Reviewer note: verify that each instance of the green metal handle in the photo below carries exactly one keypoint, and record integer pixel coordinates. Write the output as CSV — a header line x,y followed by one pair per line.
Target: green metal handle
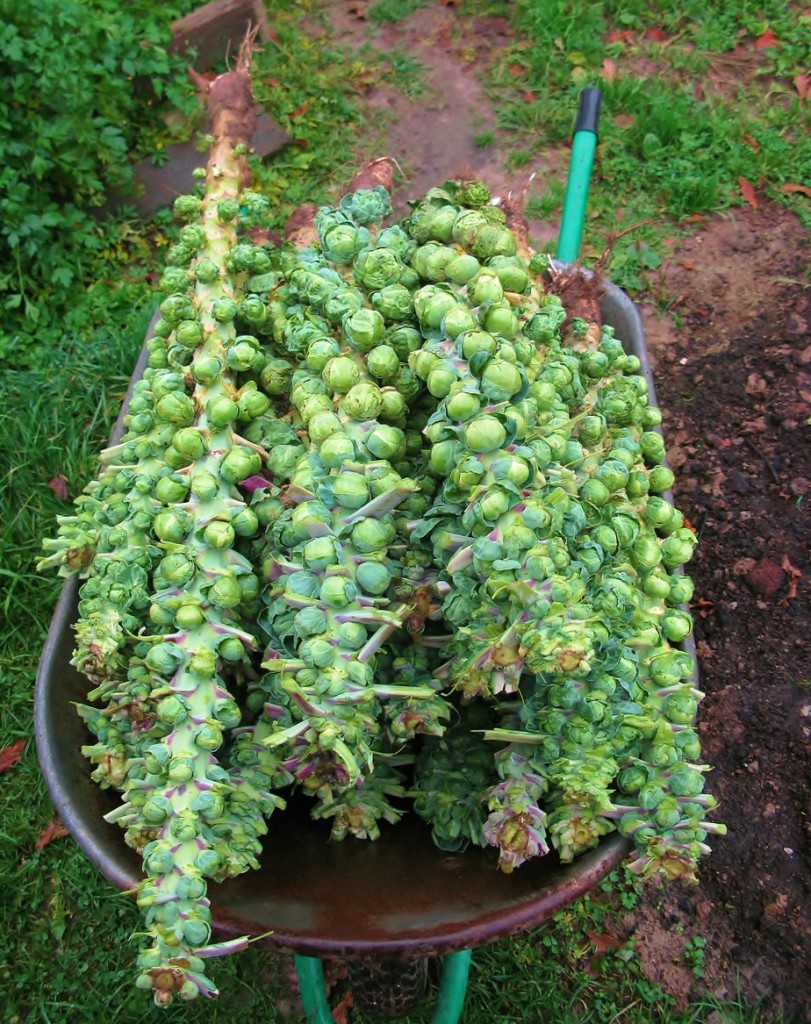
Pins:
x,y
584,144
450,1000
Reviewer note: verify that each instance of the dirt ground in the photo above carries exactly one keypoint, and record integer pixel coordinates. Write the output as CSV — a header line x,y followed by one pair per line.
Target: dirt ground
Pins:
x,y
733,375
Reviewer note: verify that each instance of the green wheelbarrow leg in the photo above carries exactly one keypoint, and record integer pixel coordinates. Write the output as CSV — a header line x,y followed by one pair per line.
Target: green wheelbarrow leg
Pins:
x,y
310,973
452,987
450,1001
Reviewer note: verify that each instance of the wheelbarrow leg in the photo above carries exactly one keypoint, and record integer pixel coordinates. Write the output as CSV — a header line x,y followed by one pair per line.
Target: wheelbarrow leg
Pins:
x,y
450,1000
452,987
310,973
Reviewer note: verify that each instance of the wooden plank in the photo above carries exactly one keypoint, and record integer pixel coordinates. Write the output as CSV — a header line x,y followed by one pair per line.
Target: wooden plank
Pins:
x,y
215,30
160,186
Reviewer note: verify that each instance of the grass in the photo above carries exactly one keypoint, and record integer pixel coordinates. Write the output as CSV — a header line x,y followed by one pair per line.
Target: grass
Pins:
x,y
696,98
65,933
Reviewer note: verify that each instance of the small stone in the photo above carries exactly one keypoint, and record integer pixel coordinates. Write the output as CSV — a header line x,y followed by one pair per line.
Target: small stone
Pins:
x,y
766,577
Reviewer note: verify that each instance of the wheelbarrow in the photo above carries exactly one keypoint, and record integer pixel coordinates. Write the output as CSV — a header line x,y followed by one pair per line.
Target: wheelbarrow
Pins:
x,y
398,899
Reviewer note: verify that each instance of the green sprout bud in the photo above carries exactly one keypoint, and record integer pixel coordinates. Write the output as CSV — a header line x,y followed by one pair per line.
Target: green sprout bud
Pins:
x,y
227,210
206,271
340,374
474,342
189,334
205,485
386,442
206,369
225,592
320,352
221,411
219,535
364,329
239,463
337,591
393,302
373,577
350,490
172,525
370,536
319,553
224,310
176,569
458,320
172,489
499,318
462,268
484,434
681,589
462,405
362,402
310,622
440,381
189,616
501,380
661,479
164,658
189,443
323,425
177,409
677,625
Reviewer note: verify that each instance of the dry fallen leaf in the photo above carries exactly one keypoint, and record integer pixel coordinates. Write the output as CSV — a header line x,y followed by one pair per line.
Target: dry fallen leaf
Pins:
x,y
53,830
748,192
620,35
59,485
767,39
608,71
339,1012
788,188
802,83
11,754
603,943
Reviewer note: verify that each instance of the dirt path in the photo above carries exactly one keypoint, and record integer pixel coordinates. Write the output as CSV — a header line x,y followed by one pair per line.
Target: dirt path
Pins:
x,y
734,382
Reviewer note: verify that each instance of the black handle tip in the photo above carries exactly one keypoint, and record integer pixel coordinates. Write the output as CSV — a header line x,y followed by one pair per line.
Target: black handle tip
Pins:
x,y
588,110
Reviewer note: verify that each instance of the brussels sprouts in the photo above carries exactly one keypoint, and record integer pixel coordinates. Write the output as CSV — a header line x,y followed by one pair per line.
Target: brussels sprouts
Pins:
x,y
362,402
485,287
393,302
341,374
221,411
485,433
431,304
376,267
386,442
383,362
239,463
499,318
350,490
461,268
367,205
500,380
